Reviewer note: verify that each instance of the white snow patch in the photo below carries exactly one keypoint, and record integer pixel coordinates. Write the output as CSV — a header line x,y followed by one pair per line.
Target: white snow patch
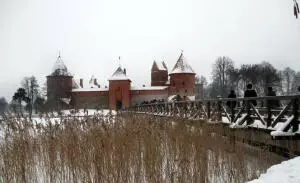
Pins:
x,y
89,89
149,88
285,172
119,74
182,66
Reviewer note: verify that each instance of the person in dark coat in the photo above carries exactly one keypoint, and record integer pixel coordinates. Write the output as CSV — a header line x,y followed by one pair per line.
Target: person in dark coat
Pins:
x,y
231,104
250,93
272,103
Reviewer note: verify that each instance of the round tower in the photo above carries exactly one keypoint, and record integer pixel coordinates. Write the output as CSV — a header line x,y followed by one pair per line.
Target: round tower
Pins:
x,y
119,90
59,84
182,79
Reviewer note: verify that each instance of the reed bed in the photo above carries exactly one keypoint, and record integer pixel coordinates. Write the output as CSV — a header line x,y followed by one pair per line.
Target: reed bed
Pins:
x,y
124,148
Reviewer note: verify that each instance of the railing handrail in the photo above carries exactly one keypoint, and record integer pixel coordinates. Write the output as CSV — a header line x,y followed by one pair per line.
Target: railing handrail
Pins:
x,y
286,97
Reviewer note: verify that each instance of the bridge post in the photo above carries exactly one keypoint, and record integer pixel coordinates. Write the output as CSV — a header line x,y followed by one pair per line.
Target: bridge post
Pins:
x,y
248,110
295,122
269,120
232,115
219,110
208,109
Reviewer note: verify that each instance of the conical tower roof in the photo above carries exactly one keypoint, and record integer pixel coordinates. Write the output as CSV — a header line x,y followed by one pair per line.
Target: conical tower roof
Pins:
x,y
182,66
60,68
119,74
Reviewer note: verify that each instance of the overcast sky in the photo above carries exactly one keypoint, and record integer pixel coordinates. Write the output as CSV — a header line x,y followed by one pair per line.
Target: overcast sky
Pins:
x,y
92,34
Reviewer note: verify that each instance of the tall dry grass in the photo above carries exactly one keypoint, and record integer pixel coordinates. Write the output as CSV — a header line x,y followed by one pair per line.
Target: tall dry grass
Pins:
x,y
124,148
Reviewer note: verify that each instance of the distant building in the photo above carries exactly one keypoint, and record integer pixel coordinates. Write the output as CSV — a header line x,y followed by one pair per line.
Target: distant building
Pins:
x,y
64,90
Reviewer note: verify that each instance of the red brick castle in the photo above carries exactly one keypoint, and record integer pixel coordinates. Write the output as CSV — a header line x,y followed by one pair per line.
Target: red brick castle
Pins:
x,y
65,91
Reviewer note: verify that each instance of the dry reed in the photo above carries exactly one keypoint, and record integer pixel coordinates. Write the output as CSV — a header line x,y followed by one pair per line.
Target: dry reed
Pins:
x,y
124,148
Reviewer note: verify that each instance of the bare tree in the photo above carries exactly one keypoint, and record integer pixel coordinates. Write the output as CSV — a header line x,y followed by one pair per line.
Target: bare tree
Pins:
x,y
268,76
288,76
296,83
221,74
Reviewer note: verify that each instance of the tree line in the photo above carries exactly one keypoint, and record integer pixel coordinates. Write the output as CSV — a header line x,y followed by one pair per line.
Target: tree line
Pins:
x,y
226,77
29,97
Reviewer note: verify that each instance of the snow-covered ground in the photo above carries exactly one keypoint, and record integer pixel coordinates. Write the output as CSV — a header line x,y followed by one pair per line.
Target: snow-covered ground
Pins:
x,y
285,172
81,113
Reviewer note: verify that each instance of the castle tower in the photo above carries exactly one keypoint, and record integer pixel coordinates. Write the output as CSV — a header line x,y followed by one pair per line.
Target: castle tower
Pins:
x,y
59,84
182,79
119,90
159,74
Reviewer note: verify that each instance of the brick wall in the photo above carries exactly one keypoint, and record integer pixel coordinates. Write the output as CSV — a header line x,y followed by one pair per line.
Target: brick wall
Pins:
x,y
182,84
138,96
90,99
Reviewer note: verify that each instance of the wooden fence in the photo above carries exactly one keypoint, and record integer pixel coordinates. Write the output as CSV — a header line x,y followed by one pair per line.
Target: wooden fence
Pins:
x,y
269,111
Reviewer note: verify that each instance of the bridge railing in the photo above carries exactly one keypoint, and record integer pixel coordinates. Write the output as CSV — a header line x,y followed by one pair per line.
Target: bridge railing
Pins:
x,y
267,111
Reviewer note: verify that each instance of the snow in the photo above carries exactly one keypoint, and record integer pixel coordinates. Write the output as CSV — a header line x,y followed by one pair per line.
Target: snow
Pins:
x,y
89,89
70,113
285,172
278,133
236,124
149,88
182,66
119,74
161,66
189,97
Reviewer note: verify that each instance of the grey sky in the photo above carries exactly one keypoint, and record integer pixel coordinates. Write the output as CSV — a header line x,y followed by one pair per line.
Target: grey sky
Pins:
x,y
91,34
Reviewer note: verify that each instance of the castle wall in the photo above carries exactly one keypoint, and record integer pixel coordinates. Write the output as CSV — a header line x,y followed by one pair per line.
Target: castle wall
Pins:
x,y
138,96
90,99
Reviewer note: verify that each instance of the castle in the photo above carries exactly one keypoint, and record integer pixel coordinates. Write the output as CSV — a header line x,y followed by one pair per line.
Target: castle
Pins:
x,y
63,88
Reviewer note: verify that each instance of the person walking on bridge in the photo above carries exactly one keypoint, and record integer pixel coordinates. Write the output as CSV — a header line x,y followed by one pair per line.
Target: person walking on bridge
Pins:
x,y
231,104
271,104
250,93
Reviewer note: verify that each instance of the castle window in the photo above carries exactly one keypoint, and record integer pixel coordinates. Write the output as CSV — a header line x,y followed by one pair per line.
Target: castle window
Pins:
x,y
183,83
185,90
173,83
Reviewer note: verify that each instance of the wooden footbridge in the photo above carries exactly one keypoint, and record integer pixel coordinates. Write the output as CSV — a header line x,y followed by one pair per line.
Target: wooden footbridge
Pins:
x,y
273,121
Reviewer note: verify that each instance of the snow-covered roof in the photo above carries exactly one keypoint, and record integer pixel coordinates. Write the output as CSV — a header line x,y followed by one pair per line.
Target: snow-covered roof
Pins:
x,y
119,74
182,66
86,85
60,68
149,88
93,83
160,65
89,89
